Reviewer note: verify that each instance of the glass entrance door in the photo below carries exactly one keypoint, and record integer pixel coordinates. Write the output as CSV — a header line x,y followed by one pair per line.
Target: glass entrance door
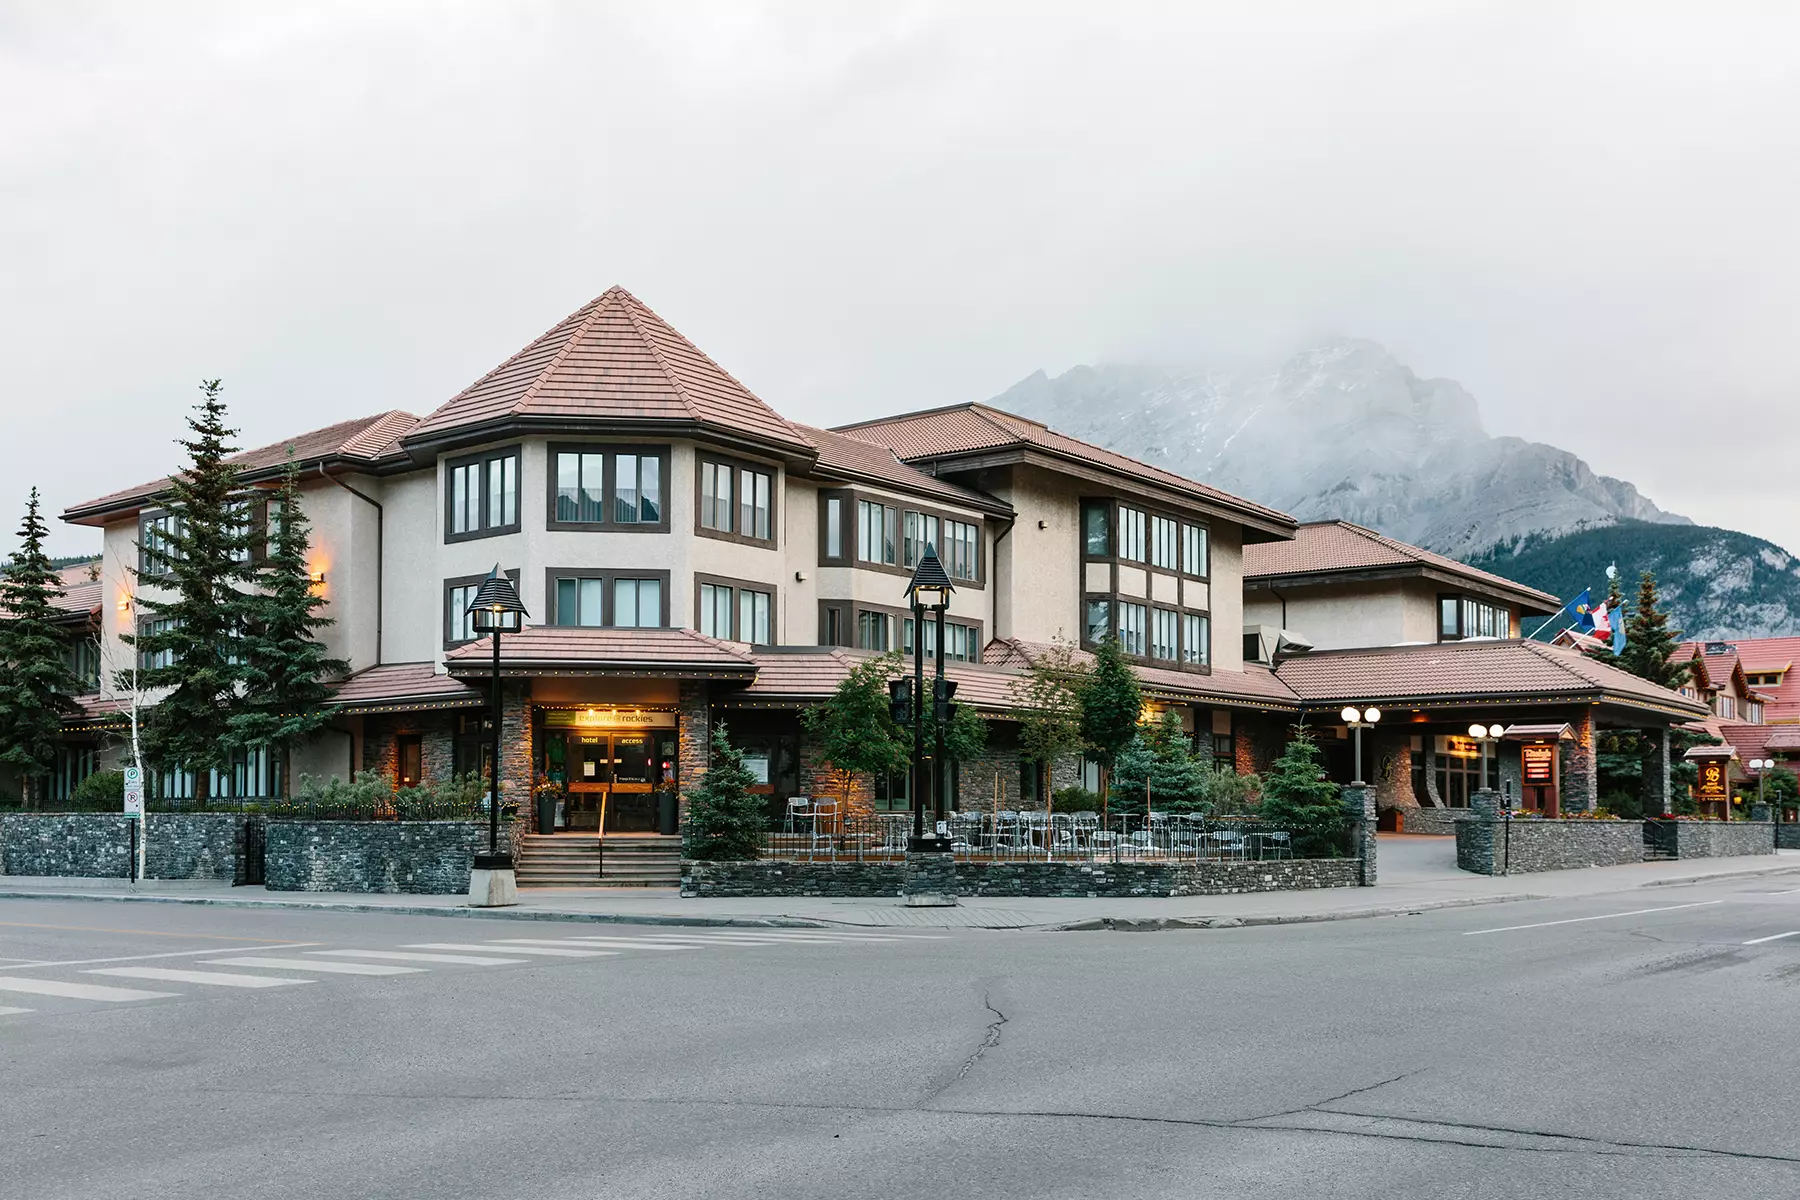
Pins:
x,y
633,807
589,757
618,774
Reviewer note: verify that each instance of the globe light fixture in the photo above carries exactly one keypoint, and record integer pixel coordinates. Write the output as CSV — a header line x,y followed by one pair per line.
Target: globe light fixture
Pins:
x,y
1486,736
1360,719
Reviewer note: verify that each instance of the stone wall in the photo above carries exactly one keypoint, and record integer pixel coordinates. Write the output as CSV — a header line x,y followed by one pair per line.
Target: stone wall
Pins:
x,y
1487,847
1435,821
97,845
1719,839
420,857
1788,836
437,743
1067,879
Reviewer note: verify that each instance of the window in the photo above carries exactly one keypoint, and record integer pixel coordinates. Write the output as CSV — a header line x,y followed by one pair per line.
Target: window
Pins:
x,y
1131,627
1196,640
754,609
1096,529
1465,617
82,657
459,593
877,531
637,489
715,611
962,643
1165,533
245,522
73,764
409,759
737,499
254,774
1163,634
1131,534
754,501
1099,620
872,630
834,528
580,602
715,496
961,550
893,790
1194,549
912,538
1770,679
614,488
481,495
834,625
1727,706
153,660
1753,711
637,603
736,611
580,487
157,549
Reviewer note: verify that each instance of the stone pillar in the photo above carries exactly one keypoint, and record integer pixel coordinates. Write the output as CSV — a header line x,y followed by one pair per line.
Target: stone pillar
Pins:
x,y
1655,791
1431,770
1391,761
1478,839
1580,766
516,758
930,881
694,736
1512,779
1359,806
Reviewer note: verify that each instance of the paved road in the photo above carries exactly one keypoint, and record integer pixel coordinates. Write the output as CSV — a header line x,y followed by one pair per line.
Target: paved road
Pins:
x,y
1627,1046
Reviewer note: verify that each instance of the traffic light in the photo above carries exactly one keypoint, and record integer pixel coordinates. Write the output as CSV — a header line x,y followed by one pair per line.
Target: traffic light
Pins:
x,y
945,708
900,702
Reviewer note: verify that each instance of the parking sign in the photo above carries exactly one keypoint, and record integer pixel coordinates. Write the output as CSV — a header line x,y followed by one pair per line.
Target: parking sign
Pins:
x,y
134,791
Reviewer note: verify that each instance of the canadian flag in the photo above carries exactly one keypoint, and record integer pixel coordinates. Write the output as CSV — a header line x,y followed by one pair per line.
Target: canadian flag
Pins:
x,y
1602,622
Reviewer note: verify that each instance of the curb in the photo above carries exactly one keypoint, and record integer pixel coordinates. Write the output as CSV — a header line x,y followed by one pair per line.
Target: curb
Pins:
x,y
1157,924
426,910
1747,873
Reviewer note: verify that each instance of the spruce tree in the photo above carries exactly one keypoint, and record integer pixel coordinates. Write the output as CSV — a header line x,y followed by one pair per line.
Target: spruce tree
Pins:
x,y
285,666
1111,706
1159,758
725,820
196,586
1298,798
1650,643
35,680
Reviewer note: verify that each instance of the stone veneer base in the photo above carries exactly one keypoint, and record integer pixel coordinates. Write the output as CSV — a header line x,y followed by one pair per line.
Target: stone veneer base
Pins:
x,y
1020,879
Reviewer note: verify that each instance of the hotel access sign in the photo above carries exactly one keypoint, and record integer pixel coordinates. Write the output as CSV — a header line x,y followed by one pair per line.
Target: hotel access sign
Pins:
x,y
1538,763
608,718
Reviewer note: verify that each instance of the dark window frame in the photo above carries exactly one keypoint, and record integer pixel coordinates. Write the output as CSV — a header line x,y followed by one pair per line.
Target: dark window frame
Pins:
x,y
1111,505
607,575
852,499
738,467
450,585
976,627
483,458
1462,600
846,555
609,472
1146,659
737,587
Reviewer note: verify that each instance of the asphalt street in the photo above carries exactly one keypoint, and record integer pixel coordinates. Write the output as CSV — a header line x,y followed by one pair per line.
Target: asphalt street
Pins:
x,y
1634,1045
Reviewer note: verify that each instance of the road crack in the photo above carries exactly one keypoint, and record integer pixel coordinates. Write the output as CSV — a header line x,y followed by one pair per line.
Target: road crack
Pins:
x,y
989,1039
1318,1105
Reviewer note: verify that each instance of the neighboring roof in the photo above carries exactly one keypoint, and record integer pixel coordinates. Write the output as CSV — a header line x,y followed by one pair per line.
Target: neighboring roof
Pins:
x,y
1336,548
1756,656
664,653
1255,684
966,429
400,687
364,440
95,713
844,457
614,360
1479,669
784,677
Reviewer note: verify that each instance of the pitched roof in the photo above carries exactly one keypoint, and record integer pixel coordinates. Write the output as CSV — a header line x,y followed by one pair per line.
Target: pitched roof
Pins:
x,y
783,675
666,653
1759,656
404,686
1254,683
366,439
1475,669
613,359
1340,547
971,428
845,457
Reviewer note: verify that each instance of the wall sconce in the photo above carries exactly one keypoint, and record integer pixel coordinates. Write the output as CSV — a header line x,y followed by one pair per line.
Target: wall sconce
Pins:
x,y
1043,524
318,577
799,576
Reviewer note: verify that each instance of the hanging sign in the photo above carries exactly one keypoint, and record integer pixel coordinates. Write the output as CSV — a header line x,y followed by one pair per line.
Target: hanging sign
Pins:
x,y
1538,763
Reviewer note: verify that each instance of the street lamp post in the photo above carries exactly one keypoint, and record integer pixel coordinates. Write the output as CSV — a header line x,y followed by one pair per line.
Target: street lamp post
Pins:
x,y
1486,736
1360,719
1761,767
496,609
929,588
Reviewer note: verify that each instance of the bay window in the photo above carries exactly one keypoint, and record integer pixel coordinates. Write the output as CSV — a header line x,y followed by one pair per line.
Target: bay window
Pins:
x,y
616,488
481,495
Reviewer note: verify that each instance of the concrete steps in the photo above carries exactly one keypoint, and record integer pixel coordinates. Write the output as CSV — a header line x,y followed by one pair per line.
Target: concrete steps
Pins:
x,y
576,860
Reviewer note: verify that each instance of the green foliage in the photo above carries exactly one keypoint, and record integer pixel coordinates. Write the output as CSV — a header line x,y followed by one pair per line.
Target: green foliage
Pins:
x,y
285,667
103,791
1075,798
853,730
204,595
1047,704
725,820
1297,797
35,681
371,797
1781,786
1111,705
1649,642
1158,769
364,793
1225,793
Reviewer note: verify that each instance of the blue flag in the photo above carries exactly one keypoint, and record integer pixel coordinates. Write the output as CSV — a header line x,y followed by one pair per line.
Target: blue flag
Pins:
x,y
1618,623
1583,608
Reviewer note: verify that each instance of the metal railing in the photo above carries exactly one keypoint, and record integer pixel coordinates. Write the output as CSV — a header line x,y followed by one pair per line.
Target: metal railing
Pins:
x,y
1065,837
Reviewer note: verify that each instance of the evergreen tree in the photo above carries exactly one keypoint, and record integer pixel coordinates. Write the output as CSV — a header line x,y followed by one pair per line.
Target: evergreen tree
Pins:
x,y
1160,758
194,593
725,819
1650,643
285,666
853,729
1297,797
1111,706
1047,702
35,680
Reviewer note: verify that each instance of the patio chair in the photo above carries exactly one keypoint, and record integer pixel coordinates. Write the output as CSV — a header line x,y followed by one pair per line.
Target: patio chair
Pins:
x,y
1225,843
823,814
798,807
1277,844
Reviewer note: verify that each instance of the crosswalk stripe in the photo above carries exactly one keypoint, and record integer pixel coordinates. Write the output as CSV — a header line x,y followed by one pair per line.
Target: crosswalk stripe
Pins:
x,y
701,939
823,935
489,948
78,991
406,956
217,978
1773,937
306,964
615,943
12,1012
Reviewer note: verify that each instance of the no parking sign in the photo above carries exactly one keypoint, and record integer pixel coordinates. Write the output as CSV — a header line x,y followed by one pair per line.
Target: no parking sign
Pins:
x,y
134,791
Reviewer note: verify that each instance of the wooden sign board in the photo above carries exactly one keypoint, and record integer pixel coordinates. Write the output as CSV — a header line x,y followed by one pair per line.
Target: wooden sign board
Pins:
x,y
1714,782
1538,764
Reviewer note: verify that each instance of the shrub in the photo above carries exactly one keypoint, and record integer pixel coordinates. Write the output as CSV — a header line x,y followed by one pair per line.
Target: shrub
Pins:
x,y
1300,799
1075,798
1225,793
103,791
725,820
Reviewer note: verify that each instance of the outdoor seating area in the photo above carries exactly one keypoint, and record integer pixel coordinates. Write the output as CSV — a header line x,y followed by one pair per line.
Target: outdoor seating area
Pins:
x,y
817,832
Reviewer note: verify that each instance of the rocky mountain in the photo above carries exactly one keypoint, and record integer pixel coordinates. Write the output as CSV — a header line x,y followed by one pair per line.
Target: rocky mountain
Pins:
x,y
1346,430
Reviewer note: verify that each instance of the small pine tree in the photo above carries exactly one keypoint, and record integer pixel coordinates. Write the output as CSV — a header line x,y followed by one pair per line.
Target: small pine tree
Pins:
x,y
1650,643
853,729
1111,706
203,569
1297,797
1160,758
285,666
725,820
35,680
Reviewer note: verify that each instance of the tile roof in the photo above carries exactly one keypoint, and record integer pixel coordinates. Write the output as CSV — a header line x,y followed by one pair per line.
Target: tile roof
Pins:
x,y
1254,682
666,652
1330,547
392,685
1475,669
365,439
843,456
808,674
1759,656
614,360
970,428
96,712
1759,741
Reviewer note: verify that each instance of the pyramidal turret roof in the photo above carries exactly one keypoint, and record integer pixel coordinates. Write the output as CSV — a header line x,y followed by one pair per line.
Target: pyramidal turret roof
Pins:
x,y
614,359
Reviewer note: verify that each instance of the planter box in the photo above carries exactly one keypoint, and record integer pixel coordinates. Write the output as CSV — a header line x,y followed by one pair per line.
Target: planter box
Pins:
x,y
1716,839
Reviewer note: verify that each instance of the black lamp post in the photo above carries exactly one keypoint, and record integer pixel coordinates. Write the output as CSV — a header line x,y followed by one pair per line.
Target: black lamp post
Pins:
x,y
496,609
929,588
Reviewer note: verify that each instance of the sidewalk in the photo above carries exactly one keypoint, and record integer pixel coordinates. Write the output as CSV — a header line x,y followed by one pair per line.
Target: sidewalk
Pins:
x,y
1417,874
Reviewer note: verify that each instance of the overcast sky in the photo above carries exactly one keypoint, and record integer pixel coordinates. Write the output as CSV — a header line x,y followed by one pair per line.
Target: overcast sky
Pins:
x,y
1589,215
